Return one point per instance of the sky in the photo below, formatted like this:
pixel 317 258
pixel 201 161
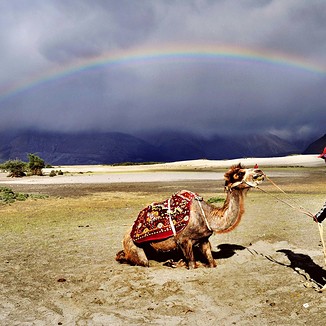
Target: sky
pixel 203 66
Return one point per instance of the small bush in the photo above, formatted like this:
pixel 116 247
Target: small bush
pixel 7 196
pixel 35 165
pixel 52 174
pixel 16 168
pixel 21 197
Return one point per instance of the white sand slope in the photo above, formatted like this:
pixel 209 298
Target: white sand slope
pixel 176 171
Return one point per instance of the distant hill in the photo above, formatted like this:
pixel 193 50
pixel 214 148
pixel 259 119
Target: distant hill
pixel 113 147
pixel 82 148
pixel 317 146
pixel 184 146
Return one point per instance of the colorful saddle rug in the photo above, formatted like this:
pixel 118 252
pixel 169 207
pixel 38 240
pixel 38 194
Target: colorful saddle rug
pixel 162 220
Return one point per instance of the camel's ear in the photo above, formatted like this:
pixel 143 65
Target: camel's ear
pixel 227 176
pixel 227 179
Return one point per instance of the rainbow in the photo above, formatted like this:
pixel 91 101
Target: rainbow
pixel 170 53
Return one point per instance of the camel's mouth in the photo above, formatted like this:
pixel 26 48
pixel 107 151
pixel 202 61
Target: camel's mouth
pixel 254 178
pixel 258 177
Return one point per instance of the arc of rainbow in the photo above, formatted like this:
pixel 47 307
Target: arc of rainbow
pixel 168 53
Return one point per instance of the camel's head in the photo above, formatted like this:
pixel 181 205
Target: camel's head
pixel 238 177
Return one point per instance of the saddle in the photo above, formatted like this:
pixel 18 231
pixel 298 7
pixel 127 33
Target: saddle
pixel 160 221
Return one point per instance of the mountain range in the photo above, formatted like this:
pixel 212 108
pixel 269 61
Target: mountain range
pixel 317 146
pixel 112 147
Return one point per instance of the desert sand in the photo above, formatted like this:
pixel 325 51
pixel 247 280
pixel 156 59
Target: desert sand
pixel 176 171
pixel 57 263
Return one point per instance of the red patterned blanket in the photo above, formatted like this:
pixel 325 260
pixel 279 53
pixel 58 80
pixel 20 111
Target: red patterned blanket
pixel 159 221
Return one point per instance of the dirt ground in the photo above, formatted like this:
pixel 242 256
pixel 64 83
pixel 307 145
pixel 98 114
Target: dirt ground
pixel 57 263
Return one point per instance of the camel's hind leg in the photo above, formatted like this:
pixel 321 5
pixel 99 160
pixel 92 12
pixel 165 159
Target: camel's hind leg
pixel 132 254
pixel 186 247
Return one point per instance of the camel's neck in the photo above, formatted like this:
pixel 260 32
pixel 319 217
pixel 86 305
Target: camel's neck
pixel 228 217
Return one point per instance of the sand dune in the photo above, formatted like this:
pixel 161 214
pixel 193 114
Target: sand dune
pixel 176 171
pixel 294 160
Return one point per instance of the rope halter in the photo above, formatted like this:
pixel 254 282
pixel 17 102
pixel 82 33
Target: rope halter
pixel 252 178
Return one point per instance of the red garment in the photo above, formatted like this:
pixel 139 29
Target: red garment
pixel 323 154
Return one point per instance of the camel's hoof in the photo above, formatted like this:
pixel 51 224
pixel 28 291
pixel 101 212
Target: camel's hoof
pixel 212 265
pixel 193 265
pixel 170 263
pixel 173 264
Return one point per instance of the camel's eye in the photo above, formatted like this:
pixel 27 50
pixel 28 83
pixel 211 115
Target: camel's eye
pixel 237 176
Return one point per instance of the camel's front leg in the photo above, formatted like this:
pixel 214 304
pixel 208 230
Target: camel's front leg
pixel 186 247
pixel 206 249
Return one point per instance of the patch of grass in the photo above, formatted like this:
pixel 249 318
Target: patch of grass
pixel 214 200
pixel 8 196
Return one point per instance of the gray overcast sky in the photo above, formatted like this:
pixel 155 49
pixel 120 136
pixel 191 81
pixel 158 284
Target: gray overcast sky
pixel 206 95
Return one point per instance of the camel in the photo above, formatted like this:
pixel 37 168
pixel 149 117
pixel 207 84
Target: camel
pixel 204 220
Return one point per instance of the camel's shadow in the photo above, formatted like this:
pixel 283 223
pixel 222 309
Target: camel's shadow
pixel 225 251
pixel 303 265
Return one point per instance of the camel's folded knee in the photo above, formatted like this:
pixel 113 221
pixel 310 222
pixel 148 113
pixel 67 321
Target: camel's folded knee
pixel 133 259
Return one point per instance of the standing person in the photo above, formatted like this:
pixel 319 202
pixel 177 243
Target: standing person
pixel 323 155
pixel 321 215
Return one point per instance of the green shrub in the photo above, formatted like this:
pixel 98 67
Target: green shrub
pixel 36 164
pixel 16 168
pixel 8 196
pixel 52 174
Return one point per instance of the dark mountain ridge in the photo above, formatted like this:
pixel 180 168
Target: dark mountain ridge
pixel 114 147
pixel 317 146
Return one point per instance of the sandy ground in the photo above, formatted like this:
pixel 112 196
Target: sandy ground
pixel 60 270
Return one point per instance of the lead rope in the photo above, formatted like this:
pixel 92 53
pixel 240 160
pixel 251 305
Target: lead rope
pixel 302 210
pixel 321 231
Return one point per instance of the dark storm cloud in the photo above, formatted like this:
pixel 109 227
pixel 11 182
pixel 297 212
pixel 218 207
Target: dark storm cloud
pixel 221 96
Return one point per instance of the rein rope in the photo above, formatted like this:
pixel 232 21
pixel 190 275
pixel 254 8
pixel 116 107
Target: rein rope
pixel 299 209
pixel 204 216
